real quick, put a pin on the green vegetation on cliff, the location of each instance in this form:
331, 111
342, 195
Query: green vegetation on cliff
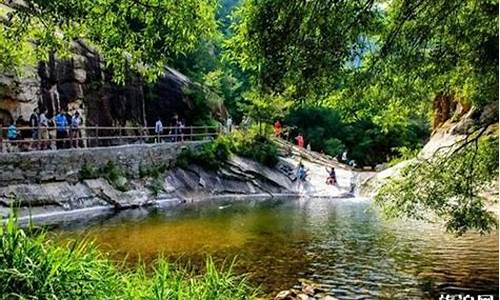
144, 35
249, 144
449, 186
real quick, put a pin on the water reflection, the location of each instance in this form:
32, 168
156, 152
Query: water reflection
342, 244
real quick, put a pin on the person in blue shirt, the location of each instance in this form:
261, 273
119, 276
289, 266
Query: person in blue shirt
301, 172
12, 132
61, 129
12, 135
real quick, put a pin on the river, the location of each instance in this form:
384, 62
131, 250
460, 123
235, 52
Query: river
342, 244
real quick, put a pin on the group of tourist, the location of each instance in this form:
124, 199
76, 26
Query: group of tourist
175, 133
43, 131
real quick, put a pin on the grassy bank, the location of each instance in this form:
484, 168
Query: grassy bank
32, 267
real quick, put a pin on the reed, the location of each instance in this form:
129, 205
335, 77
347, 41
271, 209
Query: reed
33, 267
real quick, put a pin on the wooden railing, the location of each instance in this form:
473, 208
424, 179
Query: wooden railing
42, 138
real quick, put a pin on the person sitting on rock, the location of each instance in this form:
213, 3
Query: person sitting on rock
301, 172
332, 177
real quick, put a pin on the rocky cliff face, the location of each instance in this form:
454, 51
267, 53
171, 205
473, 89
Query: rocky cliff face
452, 121
83, 83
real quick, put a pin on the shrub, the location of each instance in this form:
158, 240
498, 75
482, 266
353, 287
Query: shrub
31, 267
115, 175
334, 147
152, 171
210, 155
156, 186
112, 172
88, 171
247, 144
405, 153
252, 145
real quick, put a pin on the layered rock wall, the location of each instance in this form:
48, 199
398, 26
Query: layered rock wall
84, 83
65, 165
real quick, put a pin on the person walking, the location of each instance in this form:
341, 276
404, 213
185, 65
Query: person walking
277, 129
332, 177
175, 124
76, 121
301, 173
12, 135
344, 156
182, 129
43, 127
69, 117
158, 130
61, 129
300, 140
34, 123
229, 124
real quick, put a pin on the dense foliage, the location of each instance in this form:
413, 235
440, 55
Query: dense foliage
32, 267
142, 34
448, 185
365, 77
249, 144
366, 142
211, 155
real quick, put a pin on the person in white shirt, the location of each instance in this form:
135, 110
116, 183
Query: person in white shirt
229, 124
76, 121
344, 156
158, 129
44, 130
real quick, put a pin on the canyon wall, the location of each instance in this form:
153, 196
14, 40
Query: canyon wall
84, 83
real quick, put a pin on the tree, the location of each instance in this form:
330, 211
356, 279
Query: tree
447, 186
381, 64
140, 34
265, 108
306, 44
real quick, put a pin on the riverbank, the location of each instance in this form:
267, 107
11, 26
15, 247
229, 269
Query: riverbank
116, 178
33, 266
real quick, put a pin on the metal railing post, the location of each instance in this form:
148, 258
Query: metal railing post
97, 136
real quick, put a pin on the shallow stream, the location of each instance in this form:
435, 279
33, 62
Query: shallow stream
343, 244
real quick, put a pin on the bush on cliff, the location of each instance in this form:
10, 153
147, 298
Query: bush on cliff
210, 155
32, 267
255, 146
114, 174
246, 144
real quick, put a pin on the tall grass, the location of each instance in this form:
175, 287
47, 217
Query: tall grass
32, 267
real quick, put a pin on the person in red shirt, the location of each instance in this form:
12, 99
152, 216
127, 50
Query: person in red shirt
277, 129
300, 140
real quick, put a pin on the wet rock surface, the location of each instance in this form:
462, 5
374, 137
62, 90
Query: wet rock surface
306, 291
51, 181
238, 177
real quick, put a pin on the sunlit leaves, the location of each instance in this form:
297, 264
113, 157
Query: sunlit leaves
141, 34
446, 188
297, 43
